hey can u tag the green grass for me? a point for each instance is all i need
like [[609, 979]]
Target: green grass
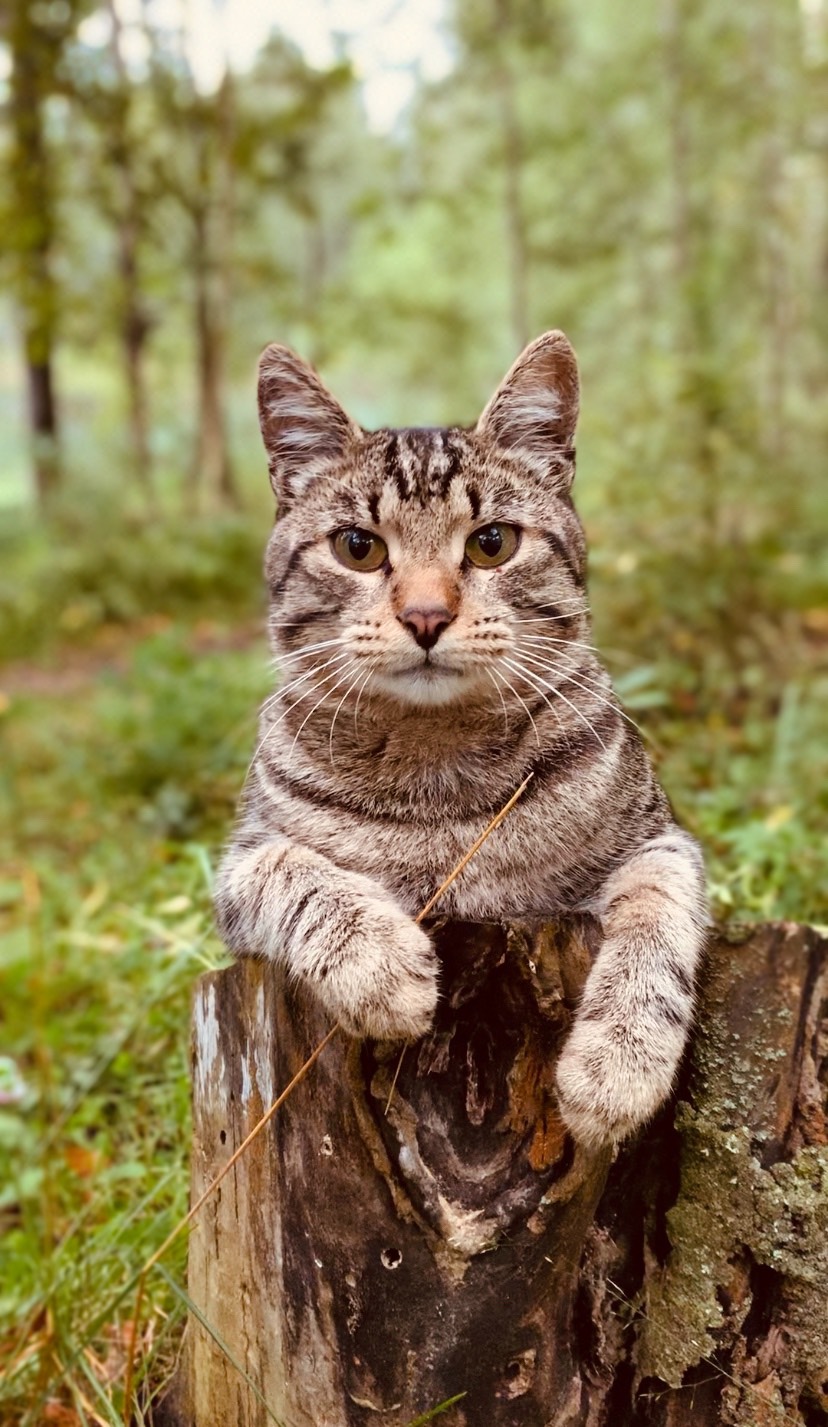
[[121, 763], [117, 794]]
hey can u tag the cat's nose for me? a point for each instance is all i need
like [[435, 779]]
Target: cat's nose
[[425, 623]]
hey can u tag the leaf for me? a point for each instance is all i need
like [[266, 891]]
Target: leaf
[[81, 1159], [777, 817]]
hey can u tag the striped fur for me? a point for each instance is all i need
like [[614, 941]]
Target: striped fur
[[378, 762]]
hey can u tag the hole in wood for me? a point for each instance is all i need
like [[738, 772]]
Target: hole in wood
[[326, 1146], [391, 1258], [518, 1374], [223, 1136]]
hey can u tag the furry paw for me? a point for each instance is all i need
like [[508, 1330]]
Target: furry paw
[[609, 1084], [382, 981]]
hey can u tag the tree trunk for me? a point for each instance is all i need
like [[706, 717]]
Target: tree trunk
[[134, 323], [31, 235], [212, 476], [374, 1254], [517, 242], [213, 482]]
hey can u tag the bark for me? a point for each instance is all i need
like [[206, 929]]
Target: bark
[[365, 1266]]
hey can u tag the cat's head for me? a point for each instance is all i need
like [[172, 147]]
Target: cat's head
[[424, 565]]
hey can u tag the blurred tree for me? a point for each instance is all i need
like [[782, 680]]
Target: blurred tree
[[504, 43], [107, 164], [193, 166], [37, 37], [130, 223]]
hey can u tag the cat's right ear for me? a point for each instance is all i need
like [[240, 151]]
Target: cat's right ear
[[303, 427], [534, 411]]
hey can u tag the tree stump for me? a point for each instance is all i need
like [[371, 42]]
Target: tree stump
[[374, 1254]]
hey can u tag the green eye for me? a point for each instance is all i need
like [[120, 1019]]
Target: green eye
[[359, 549], [492, 545]]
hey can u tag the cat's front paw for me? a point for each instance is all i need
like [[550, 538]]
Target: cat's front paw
[[383, 982], [609, 1084]]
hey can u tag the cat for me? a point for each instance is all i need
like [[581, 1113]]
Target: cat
[[428, 602]]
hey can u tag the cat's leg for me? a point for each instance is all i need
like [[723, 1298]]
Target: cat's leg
[[631, 1027], [339, 933]]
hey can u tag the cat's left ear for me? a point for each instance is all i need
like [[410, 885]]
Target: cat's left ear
[[535, 409], [302, 424]]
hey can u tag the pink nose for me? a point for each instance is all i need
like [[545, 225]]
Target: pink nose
[[426, 623]]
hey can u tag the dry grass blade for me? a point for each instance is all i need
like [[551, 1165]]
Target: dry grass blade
[[452, 877], [474, 849], [129, 1373], [225, 1347], [188, 1217]]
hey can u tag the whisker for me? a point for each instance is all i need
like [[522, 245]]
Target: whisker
[[551, 707], [349, 689], [289, 707], [284, 689], [303, 653], [587, 686], [503, 702], [299, 623], [548, 639], [564, 599], [368, 677], [535, 678], [554, 618], [345, 673], [521, 701]]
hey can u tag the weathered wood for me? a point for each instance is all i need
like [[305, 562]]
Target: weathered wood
[[363, 1266]]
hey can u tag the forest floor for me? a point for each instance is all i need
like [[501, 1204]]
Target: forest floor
[[124, 752]]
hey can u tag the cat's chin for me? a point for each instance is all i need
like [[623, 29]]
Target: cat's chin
[[427, 686]]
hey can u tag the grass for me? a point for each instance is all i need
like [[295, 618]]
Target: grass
[[124, 748], [118, 790]]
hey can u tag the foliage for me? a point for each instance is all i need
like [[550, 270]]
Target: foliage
[[70, 580], [105, 920]]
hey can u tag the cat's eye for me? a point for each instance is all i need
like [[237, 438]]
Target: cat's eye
[[492, 545], [359, 549]]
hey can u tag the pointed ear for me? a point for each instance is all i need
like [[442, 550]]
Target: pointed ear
[[535, 409], [302, 425]]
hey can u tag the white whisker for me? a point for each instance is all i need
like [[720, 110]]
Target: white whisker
[[345, 673], [554, 618], [535, 679], [284, 689], [556, 604], [561, 643], [525, 705], [368, 677], [551, 708], [503, 702], [588, 686], [349, 690], [303, 653], [301, 698]]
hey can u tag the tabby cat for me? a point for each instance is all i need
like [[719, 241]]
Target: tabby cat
[[427, 600]]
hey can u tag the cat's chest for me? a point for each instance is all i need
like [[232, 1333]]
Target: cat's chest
[[411, 832]]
